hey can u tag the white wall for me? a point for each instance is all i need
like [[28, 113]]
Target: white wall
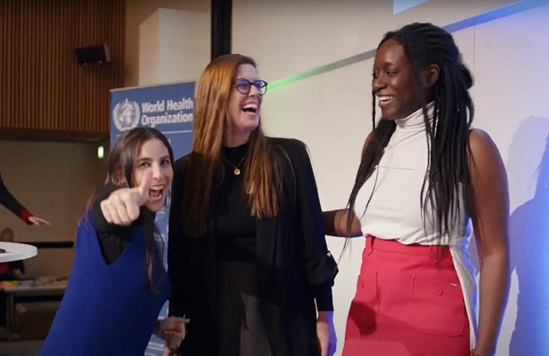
[[149, 49], [137, 12], [331, 112], [292, 36], [174, 46]]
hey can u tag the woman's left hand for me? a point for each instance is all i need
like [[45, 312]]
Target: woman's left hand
[[325, 332]]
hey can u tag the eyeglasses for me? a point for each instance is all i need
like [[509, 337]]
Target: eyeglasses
[[244, 86]]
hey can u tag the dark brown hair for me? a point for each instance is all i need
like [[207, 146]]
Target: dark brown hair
[[120, 168]]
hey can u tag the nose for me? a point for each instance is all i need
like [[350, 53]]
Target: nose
[[156, 171], [378, 83], [254, 91]]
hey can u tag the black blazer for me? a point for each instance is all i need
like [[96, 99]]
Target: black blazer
[[294, 264]]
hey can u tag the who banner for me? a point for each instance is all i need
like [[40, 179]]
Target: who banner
[[169, 109]]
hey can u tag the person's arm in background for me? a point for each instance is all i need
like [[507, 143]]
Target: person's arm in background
[[13, 205]]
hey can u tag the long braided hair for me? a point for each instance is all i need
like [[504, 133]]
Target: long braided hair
[[447, 134]]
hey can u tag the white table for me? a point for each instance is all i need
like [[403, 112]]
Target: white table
[[16, 251]]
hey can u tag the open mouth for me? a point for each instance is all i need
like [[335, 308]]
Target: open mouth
[[156, 192], [250, 108], [384, 100]]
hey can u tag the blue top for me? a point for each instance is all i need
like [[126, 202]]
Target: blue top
[[107, 309]]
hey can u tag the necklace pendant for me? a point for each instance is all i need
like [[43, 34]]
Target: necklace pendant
[[236, 172]]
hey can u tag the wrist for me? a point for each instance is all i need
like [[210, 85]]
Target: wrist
[[478, 352], [25, 215], [326, 316]]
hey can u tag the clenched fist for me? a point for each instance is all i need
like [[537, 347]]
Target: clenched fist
[[122, 206]]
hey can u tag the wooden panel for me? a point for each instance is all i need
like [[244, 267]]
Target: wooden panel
[[42, 87]]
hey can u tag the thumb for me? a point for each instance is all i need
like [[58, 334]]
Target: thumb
[[144, 187]]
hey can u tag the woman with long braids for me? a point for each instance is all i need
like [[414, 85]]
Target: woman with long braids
[[426, 179]]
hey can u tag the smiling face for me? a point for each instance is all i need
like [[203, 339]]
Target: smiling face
[[155, 157], [393, 82], [244, 105]]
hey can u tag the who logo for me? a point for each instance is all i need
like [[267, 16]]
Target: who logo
[[125, 115]]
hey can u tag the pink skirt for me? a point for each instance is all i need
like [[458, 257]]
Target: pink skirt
[[408, 302]]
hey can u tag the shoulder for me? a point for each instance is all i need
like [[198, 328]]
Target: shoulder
[[482, 147], [181, 165], [293, 147], [485, 162]]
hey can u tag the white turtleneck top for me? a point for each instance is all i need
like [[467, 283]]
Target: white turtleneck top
[[395, 213]]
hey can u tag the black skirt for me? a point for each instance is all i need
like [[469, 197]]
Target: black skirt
[[241, 331]]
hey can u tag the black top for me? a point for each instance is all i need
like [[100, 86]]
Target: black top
[[294, 267], [11, 203], [234, 224]]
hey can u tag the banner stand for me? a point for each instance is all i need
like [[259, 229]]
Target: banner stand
[[169, 109]]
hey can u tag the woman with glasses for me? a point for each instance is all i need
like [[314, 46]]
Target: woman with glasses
[[247, 255]]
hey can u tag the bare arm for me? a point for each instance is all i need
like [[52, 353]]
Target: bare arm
[[490, 219], [335, 223]]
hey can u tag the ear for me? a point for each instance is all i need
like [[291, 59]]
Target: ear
[[431, 75]]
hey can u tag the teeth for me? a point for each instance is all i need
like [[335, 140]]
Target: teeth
[[385, 98], [157, 187], [250, 106]]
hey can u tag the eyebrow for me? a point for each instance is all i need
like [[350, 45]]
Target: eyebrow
[[251, 80], [385, 66], [389, 63], [146, 159]]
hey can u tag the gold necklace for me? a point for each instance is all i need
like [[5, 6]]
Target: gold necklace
[[236, 171]]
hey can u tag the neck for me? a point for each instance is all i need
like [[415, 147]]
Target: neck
[[234, 138], [416, 120]]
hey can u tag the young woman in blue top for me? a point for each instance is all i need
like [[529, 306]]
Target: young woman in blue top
[[118, 282]]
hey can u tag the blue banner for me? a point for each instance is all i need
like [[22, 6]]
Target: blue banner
[[169, 109]]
